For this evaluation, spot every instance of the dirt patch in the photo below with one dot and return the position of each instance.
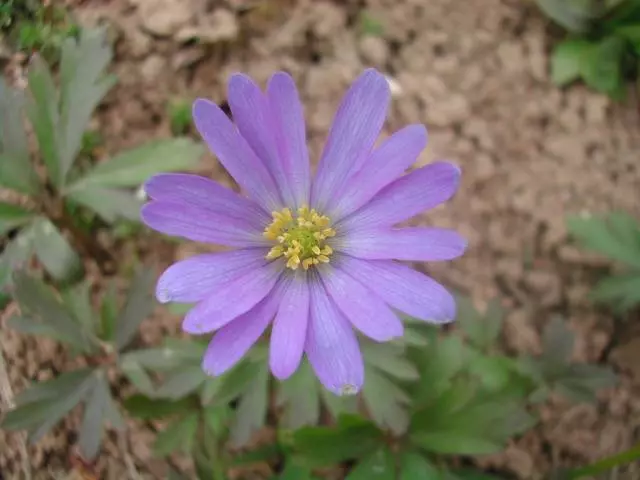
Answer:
(476, 73)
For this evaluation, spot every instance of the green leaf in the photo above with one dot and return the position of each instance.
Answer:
(574, 15)
(216, 418)
(482, 331)
(566, 60)
(471, 475)
(293, 471)
(352, 438)
(64, 384)
(78, 301)
(237, 381)
(42, 109)
(15, 255)
(38, 417)
(138, 377)
(109, 314)
(83, 86)
(622, 292)
(133, 167)
(581, 382)
(632, 34)
(109, 203)
(385, 402)
(137, 307)
(16, 169)
(602, 67)
(299, 396)
(413, 466)
(494, 372)
(98, 407)
(379, 465)
(438, 365)
(265, 453)
(146, 408)
(12, 216)
(55, 253)
(252, 408)
(178, 435)
(456, 443)
(557, 345)
(38, 302)
(338, 405)
(166, 358)
(182, 382)
(388, 358)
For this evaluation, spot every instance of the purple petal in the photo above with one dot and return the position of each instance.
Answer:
(193, 279)
(253, 116)
(290, 329)
(403, 288)
(290, 131)
(386, 164)
(200, 225)
(235, 154)
(233, 340)
(355, 129)
(236, 298)
(416, 243)
(361, 306)
(204, 193)
(331, 346)
(415, 192)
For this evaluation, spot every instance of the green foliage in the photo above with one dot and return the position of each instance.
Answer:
(617, 236)
(603, 45)
(604, 465)
(369, 25)
(33, 26)
(554, 370)
(70, 318)
(59, 117)
(179, 112)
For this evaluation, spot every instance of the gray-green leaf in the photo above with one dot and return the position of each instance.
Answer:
(178, 435)
(55, 253)
(16, 169)
(133, 167)
(252, 408)
(137, 307)
(42, 109)
(109, 203)
(12, 216)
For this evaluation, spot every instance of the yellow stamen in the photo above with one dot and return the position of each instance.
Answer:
(300, 239)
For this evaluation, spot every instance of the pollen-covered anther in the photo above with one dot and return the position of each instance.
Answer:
(301, 238)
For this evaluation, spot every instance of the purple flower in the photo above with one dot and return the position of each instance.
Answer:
(317, 258)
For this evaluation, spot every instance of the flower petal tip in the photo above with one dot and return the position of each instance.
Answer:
(347, 390)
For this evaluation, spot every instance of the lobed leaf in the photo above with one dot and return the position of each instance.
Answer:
(99, 407)
(557, 345)
(83, 85)
(53, 250)
(65, 384)
(134, 167)
(414, 466)
(617, 236)
(42, 110)
(16, 169)
(378, 465)
(12, 216)
(575, 16)
(385, 402)
(109, 203)
(252, 408)
(299, 395)
(353, 437)
(39, 304)
(146, 408)
(567, 59)
(178, 435)
(622, 292)
(138, 306)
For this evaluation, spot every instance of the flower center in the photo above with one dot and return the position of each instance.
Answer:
(301, 237)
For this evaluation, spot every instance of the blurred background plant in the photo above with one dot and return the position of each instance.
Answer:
(617, 237)
(602, 44)
(56, 193)
(37, 26)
